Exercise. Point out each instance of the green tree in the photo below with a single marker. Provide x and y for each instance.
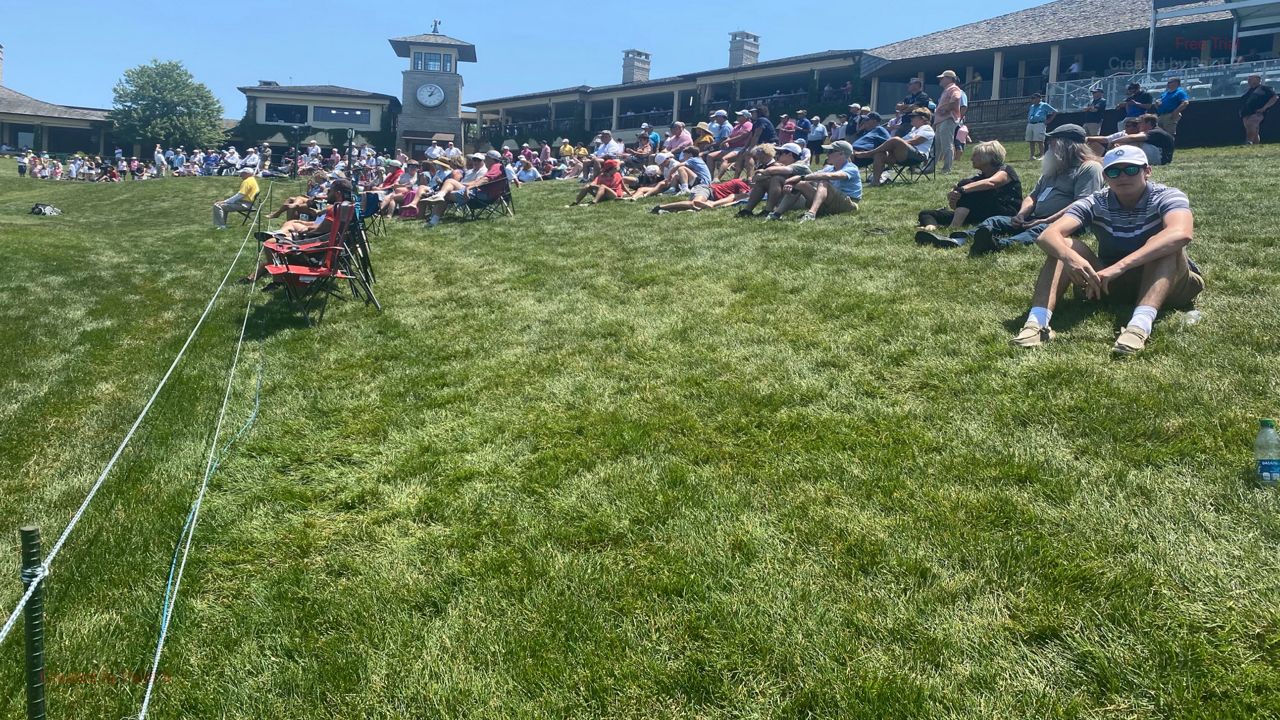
(162, 103)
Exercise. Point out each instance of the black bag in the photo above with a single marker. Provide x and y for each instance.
(42, 209)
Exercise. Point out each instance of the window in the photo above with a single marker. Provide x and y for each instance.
(419, 61)
(290, 114)
(433, 62)
(340, 115)
(448, 62)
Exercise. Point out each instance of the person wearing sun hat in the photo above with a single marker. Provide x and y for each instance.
(1143, 230)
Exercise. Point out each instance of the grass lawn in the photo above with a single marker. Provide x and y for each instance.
(599, 463)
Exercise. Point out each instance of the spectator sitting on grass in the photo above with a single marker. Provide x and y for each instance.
(1099, 144)
(770, 176)
(708, 197)
(678, 139)
(649, 176)
(995, 190)
(526, 172)
(607, 185)
(672, 174)
(1143, 229)
(835, 189)
(911, 149)
(241, 200)
(1155, 142)
(1069, 171)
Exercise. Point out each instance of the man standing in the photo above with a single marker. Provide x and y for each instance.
(1254, 103)
(159, 160)
(242, 200)
(1136, 104)
(1093, 113)
(946, 119)
(1171, 104)
(1039, 115)
(1069, 171)
(1143, 229)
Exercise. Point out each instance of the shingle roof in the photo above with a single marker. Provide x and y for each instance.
(687, 77)
(1049, 23)
(466, 51)
(19, 104)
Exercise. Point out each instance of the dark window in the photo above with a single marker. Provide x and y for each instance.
(291, 114)
(419, 61)
(340, 115)
(433, 62)
(448, 63)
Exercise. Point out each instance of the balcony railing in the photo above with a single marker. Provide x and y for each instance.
(635, 120)
(1205, 82)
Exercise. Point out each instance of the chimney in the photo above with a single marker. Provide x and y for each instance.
(268, 83)
(635, 66)
(1, 65)
(744, 49)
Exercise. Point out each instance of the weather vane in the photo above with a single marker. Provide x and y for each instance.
(435, 26)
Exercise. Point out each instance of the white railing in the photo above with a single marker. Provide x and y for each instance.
(1205, 82)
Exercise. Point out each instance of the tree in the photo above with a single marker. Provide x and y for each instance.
(162, 103)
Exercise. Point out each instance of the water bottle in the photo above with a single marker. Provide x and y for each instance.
(1191, 318)
(1266, 448)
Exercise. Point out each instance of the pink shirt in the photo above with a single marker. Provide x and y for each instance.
(740, 134)
(948, 104)
(675, 143)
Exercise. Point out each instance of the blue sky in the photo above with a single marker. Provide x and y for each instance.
(75, 54)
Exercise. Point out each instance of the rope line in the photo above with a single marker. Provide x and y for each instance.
(178, 567)
(43, 571)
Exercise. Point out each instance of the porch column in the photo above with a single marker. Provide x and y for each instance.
(875, 92)
(997, 71)
(44, 139)
(1022, 78)
(1055, 56)
(675, 106)
(551, 117)
(586, 115)
(1139, 58)
(102, 141)
(614, 126)
(1206, 51)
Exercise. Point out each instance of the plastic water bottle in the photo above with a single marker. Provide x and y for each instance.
(1191, 317)
(1266, 448)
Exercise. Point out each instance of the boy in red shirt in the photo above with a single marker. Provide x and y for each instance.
(606, 186)
(707, 197)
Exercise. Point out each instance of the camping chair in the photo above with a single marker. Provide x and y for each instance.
(492, 199)
(310, 271)
(914, 169)
(375, 222)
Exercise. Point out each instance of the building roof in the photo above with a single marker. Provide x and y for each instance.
(16, 103)
(325, 90)
(673, 79)
(466, 51)
(1049, 23)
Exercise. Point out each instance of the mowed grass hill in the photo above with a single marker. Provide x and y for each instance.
(596, 463)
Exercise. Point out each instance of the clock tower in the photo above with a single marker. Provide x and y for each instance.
(432, 98)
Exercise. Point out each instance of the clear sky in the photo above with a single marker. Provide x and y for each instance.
(72, 52)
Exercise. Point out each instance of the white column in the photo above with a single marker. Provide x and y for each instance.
(614, 126)
(997, 72)
(1055, 56)
(875, 92)
(675, 106)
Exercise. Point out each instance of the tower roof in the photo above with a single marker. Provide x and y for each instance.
(466, 51)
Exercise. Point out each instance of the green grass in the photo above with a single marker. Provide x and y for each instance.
(598, 463)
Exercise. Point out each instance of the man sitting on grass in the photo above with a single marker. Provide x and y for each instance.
(1143, 229)
(606, 186)
(770, 176)
(1154, 141)
(1069, 171)
(835, 189)
(241, 201)
(708, 197)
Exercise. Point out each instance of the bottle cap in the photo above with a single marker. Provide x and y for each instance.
(1267, 422)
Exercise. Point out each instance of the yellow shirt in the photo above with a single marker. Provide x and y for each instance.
(566, 150)
(249, 188)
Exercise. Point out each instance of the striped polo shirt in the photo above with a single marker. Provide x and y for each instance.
(1121, 231)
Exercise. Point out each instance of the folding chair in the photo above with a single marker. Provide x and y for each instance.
(492, 199)
(311, 271)
(374, 221)
(912, 171)
(248, 212)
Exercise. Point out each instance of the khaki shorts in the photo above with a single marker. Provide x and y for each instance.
(1186, 286)
(836, 203)
(700, 192)
(1035, 132)
(1169, 123)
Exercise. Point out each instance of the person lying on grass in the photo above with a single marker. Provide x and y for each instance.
(1143, 229)
(650, 176)
(709, 197)
(995, 190)
(834, 189)
(317, 188)
(606, 186)
(772, 170)
(1069, 171)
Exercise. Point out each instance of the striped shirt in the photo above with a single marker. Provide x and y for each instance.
(1121, 231)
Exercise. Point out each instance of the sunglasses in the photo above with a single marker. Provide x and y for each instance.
(1115, 171)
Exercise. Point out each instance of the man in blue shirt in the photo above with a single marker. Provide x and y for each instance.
(654, 138)
(720, 126)
(1039, 115)
(803, 125)
(1171, 104)
(835, 189)
(871, 135)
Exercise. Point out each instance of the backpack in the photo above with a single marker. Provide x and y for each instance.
(42, 209)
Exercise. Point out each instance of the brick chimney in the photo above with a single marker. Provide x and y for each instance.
(1, 65)
(744, 49)
(635, 66)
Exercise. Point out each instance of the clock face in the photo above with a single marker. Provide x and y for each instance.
(430, 95)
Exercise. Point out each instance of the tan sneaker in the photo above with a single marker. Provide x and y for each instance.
(1131, 341)
(1032, 335)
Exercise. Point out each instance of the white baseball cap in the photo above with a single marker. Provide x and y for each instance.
(644, 126)
(790, 147)
(1124, 155)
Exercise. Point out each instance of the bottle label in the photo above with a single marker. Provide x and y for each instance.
(1269, 471)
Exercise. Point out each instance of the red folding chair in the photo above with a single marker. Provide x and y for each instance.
(310, 271)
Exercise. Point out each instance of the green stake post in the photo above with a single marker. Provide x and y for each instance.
(33, 623)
